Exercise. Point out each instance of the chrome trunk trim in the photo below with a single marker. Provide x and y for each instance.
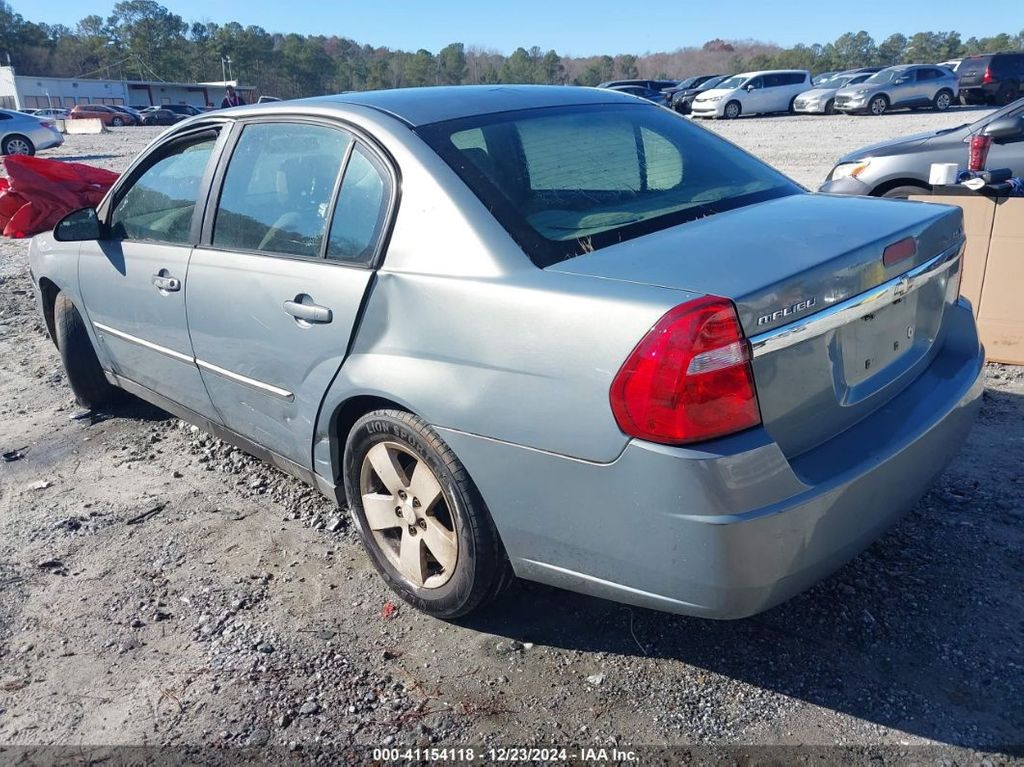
(854, 308)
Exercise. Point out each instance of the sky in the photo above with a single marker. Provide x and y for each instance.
(577, 28)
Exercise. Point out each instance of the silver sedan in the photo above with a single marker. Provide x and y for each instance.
(25, 134)
(547, 332)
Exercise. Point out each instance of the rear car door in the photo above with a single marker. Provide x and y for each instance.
(133, 281)
(291, 242)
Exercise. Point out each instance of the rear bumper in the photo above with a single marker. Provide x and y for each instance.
(733, 528)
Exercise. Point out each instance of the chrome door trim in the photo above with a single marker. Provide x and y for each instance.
(854, 308)
(245, 380)
(144, 343)
(236, 377)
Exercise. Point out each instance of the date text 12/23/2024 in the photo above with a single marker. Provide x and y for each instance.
(505, 754)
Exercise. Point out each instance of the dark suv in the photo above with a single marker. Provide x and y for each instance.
(993, 78)
(654, 85)
(182, 109)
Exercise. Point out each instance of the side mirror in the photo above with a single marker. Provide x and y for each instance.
(78, 226)
(749, 88)
(1004, 128)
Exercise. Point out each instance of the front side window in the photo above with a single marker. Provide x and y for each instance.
(567, 180)
(159, 204)
(278, 188)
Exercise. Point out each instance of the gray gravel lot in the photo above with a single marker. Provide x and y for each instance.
(159, 587)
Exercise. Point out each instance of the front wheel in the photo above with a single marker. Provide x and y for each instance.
(117, 122)
(903, 192)
(421, 518)
(830, 107)
(732, 110)
(943, 101)
(878, 105)
(85, 375)
(17, 144)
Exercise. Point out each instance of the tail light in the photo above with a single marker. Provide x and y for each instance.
(689, 378)
(987, 77)
(46, 123)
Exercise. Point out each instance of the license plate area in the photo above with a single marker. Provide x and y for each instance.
(874, 342)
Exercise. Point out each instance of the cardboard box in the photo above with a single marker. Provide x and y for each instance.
(993, 278)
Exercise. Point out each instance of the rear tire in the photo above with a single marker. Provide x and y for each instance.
(943, 100)
(732, 110)
(1007, 94)
(16, 144)
(85, 375)
(451, 519)
(117, 122)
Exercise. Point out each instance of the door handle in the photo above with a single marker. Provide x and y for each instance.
(308, 312)
(164, 282)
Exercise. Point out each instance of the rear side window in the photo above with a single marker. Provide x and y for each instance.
(361, 210)
(158, 206)
(278, 188)
(793, 78)
(568, 180)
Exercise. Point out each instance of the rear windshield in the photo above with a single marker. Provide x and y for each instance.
(569, 180)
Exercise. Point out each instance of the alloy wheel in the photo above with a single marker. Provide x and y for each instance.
(18, 145)
(732, 111)
(942, 101)
(409, 515)
(878, 106)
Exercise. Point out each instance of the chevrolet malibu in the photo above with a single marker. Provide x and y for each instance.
(553, 333)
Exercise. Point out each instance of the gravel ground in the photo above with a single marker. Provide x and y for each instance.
(158, 587)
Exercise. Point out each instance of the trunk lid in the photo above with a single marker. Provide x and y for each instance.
(810, 257)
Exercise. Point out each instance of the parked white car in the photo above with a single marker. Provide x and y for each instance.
(753, 93)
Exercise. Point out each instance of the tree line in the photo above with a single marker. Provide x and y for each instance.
(141, 39)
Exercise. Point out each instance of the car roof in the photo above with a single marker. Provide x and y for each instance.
(760, 72)
(423, 106)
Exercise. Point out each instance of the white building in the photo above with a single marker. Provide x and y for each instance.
(28, 92)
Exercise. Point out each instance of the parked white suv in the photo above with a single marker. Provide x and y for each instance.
(753, 93)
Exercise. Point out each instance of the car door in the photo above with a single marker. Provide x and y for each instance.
(133, 282)
(274, 294)
(912, 91)
(754, 98)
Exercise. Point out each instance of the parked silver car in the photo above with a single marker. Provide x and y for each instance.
(902, 87)
(900, 168)
(821, 99)
(25, 134)
(651, 369)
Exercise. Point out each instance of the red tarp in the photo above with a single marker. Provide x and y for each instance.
(38, 193)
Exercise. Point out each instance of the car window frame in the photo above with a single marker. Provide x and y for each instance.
(358, 136)
(150, 157)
